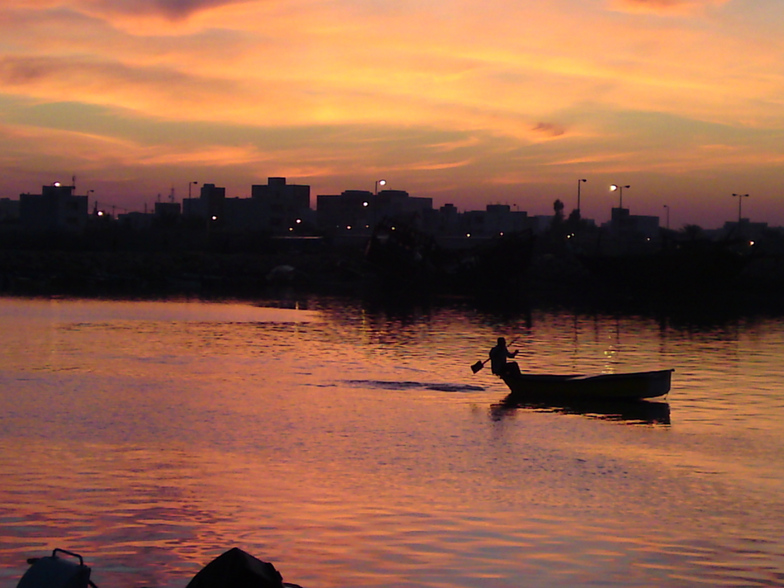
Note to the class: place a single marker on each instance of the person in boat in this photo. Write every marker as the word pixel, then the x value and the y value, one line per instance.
pixel 498 356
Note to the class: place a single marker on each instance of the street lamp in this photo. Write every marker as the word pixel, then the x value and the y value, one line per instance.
pixel 740 198
pixel 615 187
pixel 189 188
pixel 374 202
pixel 668 216
pixel 578 193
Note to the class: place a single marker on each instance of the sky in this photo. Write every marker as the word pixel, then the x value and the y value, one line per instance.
pixel 468 102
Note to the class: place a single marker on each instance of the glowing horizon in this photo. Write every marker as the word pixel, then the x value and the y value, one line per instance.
pixel 471 103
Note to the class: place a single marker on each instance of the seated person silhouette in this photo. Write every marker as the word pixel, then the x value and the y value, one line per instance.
pixel 498 356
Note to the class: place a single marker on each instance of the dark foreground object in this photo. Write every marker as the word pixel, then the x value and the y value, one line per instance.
pixel 238 569
pixel 233 569
pixel 616 387
pixel 56 571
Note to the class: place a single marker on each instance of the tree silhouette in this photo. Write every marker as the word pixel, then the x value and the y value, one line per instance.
pixel 558 207
pixel 693 232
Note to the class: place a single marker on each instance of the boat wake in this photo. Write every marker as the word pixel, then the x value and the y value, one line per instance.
pixel 411 385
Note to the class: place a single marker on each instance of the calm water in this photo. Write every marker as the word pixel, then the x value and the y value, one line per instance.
pixel 354 447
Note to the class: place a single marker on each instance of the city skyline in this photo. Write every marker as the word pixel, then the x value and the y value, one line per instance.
pixel 470 104
pixel 297 192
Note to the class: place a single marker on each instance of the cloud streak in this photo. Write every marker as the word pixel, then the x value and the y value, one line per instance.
pixel 174 10
pixel 666 7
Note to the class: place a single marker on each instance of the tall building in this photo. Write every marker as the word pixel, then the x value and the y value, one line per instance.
pixel 209 204
pixel 281 206
pixel 351 210
pixel 55 208
pixel 213 199
pixel 275 208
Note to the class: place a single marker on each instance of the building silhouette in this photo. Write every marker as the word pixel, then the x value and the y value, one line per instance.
pixel 282 207
pixel 56 208
pixel 358 211
pixel 167 214
pixel 496 219
pixel 275 208
pixel 9 211
pixel 210 205
pixel 622 223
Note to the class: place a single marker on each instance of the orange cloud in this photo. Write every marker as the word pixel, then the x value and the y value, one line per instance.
pixel 665 7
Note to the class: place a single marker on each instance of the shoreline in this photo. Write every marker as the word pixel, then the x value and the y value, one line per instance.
pixel 551 281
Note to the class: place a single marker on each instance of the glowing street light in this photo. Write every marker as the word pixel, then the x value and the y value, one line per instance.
pixel 740 198
pixel 379 183
pixel 615 187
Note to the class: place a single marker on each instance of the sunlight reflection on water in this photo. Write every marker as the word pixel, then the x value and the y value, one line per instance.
pixel 355 448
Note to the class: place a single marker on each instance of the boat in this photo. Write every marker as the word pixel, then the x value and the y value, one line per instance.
pixel 601 387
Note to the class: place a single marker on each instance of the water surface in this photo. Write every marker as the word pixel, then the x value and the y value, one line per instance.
pixel 353 446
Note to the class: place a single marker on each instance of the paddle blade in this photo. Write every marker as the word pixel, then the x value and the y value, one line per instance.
pixel 477 366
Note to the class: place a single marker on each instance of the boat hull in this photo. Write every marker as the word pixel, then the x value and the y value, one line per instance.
pixel 605 387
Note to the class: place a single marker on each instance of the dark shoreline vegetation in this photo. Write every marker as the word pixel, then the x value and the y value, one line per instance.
pixel 553 278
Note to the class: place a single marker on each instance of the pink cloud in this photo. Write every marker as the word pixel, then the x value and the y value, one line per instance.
pixel 171 9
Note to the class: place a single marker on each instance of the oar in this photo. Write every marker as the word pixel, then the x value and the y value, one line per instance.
pixel 480 364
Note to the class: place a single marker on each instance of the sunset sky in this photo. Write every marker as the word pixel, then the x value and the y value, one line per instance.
pixel 469 102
